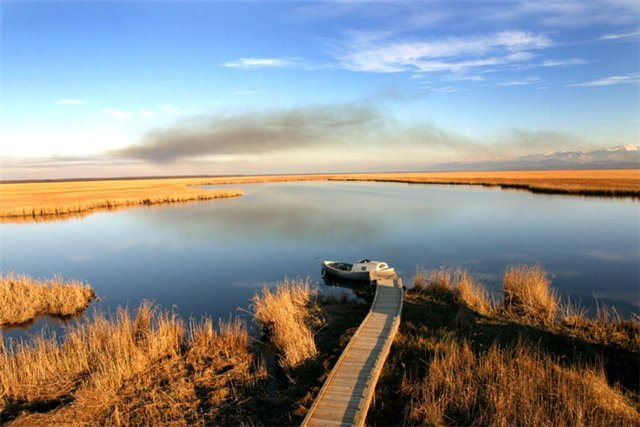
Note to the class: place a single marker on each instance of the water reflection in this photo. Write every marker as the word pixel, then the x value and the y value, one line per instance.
pixel 210 257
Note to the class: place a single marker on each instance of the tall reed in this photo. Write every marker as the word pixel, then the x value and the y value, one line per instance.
pixel 23 298
pixel 127 370
pixel 527 293
pixel 515 386
pixel 283 313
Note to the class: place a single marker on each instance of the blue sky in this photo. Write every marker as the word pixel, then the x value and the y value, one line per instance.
pixel 111 88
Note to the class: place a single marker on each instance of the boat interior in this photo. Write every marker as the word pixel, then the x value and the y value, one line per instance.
pixel 340 266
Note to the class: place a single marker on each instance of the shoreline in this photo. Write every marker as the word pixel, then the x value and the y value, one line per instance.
pixel 50 200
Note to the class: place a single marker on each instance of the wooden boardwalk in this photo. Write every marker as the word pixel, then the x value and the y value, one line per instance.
pixel 347 393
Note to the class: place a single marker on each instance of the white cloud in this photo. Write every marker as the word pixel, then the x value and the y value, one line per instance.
pixel 462 78
pixel 610 81
pixel 69 101
pixel 455 54
pixel 445 89
pixel 562 62
pixel 118 114
pixel 246 63
pixel 617 36
pixel 521 82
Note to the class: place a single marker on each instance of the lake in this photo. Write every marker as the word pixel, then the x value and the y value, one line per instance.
pixel 210 257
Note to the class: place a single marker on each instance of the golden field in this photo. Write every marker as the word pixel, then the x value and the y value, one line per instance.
pixel 39 200
pixel 56 199
pixel 616 182
pixel 23 298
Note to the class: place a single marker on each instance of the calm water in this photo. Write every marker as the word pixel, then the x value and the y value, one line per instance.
pixel 210 257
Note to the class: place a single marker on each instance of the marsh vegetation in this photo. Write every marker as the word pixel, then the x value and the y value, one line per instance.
pixel 51 200
pixel 153 368
pixel 23 298
pixel 464 358
pixel 48 200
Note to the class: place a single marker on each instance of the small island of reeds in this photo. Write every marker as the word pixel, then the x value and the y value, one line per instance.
pixel 23 298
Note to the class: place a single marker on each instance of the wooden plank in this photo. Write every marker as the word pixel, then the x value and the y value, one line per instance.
pixel 347 392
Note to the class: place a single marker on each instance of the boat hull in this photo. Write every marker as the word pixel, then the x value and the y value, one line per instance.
pixel 360 276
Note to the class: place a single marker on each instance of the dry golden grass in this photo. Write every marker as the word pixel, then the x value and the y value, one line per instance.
pixel 420 278
pixel 612 182
pixel 607 327
pixel 23 298
pixel 39 200
pixel 472 294
pixel 527 293
pixel 123 370
pixel 455 285
pixel 284 315
pixel 512 387
pixel 54 199
pixel 529 298
pixel 441 281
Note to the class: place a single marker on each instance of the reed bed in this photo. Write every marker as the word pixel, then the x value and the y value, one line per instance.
pixel 515 386
pixel 606 183
pixel 529 298
pixel 462 359
pixel 23 298
pixel 146 369
pixel 283 313
pixel 60 199
pixel 50 200
pixel 455 285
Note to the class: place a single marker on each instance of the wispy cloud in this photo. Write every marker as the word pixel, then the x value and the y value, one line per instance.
pixel 380 53
pixel 610 81
pixel 520 82
pixel 617 36
pixel 69 101
pixel 444 89
pixel 247 63
pixel 463 78
pixel 411 14
pixel 562 62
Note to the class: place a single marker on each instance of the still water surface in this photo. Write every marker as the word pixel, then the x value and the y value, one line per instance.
pixel 210 257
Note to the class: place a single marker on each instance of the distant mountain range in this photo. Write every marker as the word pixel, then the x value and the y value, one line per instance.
pixel 619 157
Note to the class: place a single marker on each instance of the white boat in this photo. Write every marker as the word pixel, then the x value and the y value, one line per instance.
pixel 362 270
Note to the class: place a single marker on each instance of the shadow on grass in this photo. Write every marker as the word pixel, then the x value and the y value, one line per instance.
pixel 289 394
pixel 431 319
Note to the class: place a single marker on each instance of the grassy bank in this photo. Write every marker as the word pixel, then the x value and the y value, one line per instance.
pixel 152 368
pixel 462 358
pixel 22 298
pixel 50 200
pixel 604 183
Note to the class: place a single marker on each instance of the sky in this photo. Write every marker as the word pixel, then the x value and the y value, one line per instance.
pixel 92 89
